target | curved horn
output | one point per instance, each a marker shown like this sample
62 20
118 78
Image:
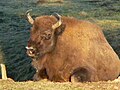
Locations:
30 19
56 25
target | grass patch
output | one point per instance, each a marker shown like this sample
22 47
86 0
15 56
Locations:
109 24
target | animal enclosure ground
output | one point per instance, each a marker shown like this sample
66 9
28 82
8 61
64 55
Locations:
14 34
46 85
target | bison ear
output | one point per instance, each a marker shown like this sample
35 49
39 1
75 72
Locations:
60 29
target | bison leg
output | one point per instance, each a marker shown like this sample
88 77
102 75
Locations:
40 74
80 75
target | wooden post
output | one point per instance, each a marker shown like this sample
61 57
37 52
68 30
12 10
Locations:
3 71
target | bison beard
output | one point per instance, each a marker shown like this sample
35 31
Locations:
74 50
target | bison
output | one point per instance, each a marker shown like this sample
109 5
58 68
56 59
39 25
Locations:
67 49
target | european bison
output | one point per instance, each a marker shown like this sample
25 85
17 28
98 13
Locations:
66 49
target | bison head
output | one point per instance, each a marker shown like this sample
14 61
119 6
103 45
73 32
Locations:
43 34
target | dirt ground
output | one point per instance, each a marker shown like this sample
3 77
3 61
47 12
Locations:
47 85
14 34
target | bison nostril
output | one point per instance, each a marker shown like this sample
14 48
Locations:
32 52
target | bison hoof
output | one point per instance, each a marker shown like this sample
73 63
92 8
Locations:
36 78
75 79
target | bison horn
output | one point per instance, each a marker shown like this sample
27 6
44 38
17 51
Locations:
30 19
56 25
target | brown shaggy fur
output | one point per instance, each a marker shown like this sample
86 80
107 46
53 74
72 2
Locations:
81 52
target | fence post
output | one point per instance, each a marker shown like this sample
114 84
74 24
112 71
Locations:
3 71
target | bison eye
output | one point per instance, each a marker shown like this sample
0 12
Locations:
48 36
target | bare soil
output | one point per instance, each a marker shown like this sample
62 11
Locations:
47 85
14 34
